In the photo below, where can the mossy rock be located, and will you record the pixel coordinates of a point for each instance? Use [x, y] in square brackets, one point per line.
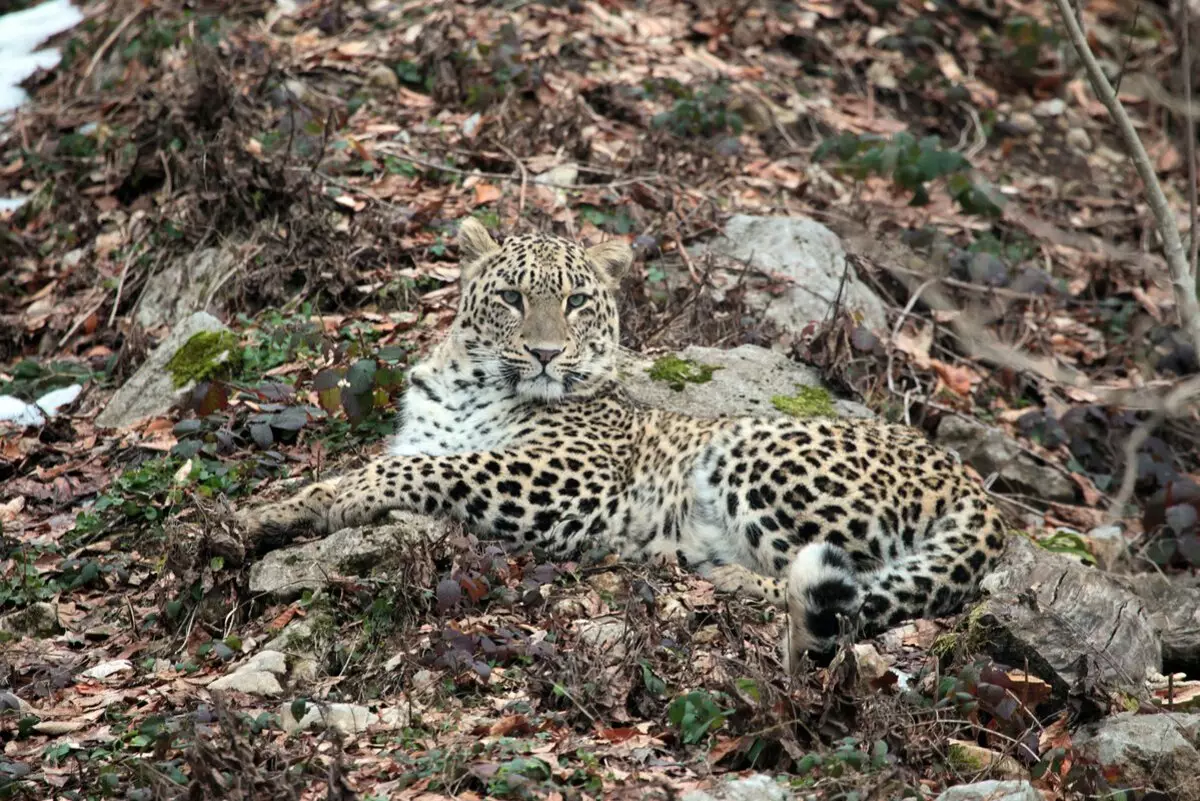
[204, 355]
[677, 372]
[807, 402]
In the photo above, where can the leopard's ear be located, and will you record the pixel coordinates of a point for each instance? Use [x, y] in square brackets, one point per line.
[611, 260]
[474, 243]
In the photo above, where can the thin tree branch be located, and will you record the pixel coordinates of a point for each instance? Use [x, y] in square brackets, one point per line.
[1182, 280]
[1189, 131]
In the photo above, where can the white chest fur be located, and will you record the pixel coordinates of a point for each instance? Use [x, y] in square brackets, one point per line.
[440, 416]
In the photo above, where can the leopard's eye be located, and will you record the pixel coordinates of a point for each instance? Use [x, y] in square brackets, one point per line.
[576, 300]
[512, 297]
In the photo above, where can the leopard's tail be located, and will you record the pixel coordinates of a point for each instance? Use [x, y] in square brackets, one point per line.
[823, 599]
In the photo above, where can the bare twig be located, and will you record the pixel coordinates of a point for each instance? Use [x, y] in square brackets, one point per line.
[524, 178]
[108, 41]
[1173, 403]
[133, 249]
[1182, 280]
[386, 147]
[1189, 132]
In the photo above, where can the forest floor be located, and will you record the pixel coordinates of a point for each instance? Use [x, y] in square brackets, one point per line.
[324, 152]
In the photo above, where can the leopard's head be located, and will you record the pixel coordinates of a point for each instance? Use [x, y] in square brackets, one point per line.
[538, 312]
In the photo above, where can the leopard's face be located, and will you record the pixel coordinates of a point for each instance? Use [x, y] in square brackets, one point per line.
[538, 312]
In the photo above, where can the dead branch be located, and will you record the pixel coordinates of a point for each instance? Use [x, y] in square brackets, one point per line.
[1182, 280]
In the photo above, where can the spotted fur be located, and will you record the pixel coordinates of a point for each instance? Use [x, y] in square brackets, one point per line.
[517, 426]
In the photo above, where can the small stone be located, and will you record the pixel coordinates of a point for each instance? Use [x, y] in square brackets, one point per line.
[105, 669]
[1054, 107]
[383, 77]
[562, 175]
[269, 661]
[1024, 122]
[1078, 139]
[608, 583]
[987, 269]
[1108, 545]
[36, 620]
[872, 665]
[605, 634]
[395, 717]
[345, 718]
[251, 682]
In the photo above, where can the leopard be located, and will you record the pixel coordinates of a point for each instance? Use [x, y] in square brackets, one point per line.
[517, 425]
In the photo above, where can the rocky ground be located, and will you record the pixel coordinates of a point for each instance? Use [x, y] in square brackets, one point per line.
[239, 235]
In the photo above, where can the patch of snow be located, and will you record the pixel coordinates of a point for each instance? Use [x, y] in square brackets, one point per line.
[55, 399]
[21, 32]
[15, 410]
[105, 669]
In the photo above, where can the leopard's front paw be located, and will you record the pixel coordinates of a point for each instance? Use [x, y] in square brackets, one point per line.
[728, 578]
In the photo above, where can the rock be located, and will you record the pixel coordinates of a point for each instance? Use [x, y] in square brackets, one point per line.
[183, 288]
[303, 635]
[989, 450]
[745, 381]
[562, 175]
[1108, 545]
[969, 758]
[604, 634]
[1159, 751]
[150, 392]
[1072, 623]
[755, 787]
[105, 669]
[395, 717]
[1054, 107]
[251, 682]
[1078, 139]
[345, 718]
[1024, 122]
[287, 572]
[992, 791]
[802, 250]
[987, 269]
[383, 76]
[37, 620]
[258, 675]
[1174, 612]
[871, 665]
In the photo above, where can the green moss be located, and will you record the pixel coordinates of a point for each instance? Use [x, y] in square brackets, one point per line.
[965, 760]
[944, 645]
[677, 372]
[807, 402]
[202, 356]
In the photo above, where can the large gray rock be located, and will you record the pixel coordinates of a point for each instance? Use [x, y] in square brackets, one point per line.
[38, 620]
[287, 572]
[992, 791]
[989, 451]
[151, 392]
[799, 249]
[1070, 623]
[184, 287]
[744, 382]
[755, 787]
[1160, 751]
[259, 675]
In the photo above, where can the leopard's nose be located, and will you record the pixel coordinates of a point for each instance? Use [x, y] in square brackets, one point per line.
[544, 355]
